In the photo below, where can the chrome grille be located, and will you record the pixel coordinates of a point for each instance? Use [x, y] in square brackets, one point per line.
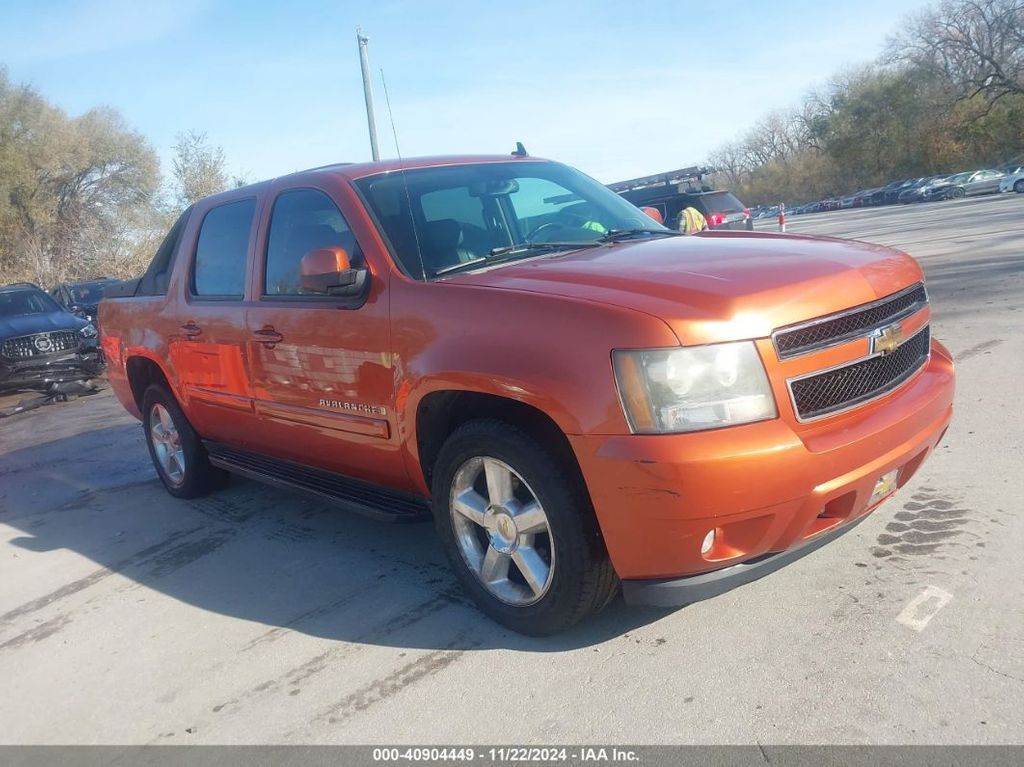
[835, 329]
[820, 394]
[39, 344]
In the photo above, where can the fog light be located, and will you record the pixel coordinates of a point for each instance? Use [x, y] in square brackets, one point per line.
[709, 541]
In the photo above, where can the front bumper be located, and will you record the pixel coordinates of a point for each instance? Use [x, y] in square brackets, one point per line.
[46, 372]
[765, 488]
[674, 592]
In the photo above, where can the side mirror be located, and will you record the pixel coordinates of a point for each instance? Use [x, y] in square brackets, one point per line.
[655, 214]
[329, 271]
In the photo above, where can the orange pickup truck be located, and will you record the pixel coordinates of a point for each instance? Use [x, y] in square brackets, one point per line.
[580, 398]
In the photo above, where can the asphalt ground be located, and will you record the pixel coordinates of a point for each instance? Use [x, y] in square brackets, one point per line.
[260, 616]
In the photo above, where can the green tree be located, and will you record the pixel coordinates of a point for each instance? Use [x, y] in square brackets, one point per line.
[199, 168]
[67, 187]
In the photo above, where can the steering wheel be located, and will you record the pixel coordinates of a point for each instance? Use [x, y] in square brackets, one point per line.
[536, 230]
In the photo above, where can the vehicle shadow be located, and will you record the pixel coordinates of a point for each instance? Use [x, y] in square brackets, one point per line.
[250, 551]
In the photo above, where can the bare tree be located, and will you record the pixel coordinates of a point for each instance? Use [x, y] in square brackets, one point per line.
[976, 45]
[729, 163]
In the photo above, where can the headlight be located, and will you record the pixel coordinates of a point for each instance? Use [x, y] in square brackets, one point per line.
[89, 331]
[695, 388]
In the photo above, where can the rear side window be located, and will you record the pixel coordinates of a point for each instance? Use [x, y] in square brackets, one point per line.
[154, 281]
[219, 267]
[302, 220]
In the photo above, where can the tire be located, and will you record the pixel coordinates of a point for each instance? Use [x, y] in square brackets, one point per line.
[959, 193]
[197, 476]
[579, 580]
[1018, 187]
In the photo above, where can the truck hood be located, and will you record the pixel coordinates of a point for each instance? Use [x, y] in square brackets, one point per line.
[718, 286]
[27, 324]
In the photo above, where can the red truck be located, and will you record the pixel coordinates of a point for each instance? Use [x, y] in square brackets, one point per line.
[582, 400]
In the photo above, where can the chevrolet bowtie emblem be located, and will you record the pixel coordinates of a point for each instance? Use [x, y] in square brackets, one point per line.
[885, 340]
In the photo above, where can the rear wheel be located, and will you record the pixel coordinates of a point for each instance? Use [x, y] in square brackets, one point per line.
[178, 454]
[518, 530]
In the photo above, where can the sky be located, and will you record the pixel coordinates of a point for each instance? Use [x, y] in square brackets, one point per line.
[617, 89]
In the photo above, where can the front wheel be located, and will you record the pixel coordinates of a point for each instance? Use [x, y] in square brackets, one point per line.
[1018, 187]
[518, 529]
[959, 193]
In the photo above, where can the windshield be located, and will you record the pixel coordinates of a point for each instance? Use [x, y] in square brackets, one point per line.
[87, 292]
[19, 302]
[437, 219]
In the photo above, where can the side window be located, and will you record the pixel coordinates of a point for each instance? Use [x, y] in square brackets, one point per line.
[154, 281]
[219, 268]
[302, 220]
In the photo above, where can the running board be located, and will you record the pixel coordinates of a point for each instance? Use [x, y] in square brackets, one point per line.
[364, 498]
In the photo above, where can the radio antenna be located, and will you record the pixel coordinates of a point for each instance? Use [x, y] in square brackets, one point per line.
[405, 180]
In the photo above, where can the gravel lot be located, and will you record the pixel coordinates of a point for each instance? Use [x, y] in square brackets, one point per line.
[256, 615]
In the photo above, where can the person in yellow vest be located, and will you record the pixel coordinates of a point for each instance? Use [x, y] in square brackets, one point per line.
[692, 221]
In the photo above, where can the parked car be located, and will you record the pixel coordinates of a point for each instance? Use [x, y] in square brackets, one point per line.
[43, 346]
[892, 194]
[82, 298]
[978, 182]
[862, 199]
[817, 207]
[944, 188]
[880, 195]
[670, 193]
[510, 348]
[927, 190]
[1013, 181]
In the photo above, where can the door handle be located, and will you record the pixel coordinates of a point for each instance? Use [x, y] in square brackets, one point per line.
[268, 336]
[191, 330]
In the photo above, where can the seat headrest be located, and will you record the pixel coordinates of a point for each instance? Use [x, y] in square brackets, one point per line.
[444, 235]
[302, 239]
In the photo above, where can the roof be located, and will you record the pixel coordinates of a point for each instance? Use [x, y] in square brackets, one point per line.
[354, 171]
[667, 178]
[361, 170]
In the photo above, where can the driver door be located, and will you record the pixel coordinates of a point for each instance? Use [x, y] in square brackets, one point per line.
[319, 365]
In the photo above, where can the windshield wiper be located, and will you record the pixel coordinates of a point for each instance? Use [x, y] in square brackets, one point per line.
[616, 235]
[512, 252]
[531, 247]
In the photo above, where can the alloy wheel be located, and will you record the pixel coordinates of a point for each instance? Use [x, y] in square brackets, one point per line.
[167, 444]
[502, 531]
